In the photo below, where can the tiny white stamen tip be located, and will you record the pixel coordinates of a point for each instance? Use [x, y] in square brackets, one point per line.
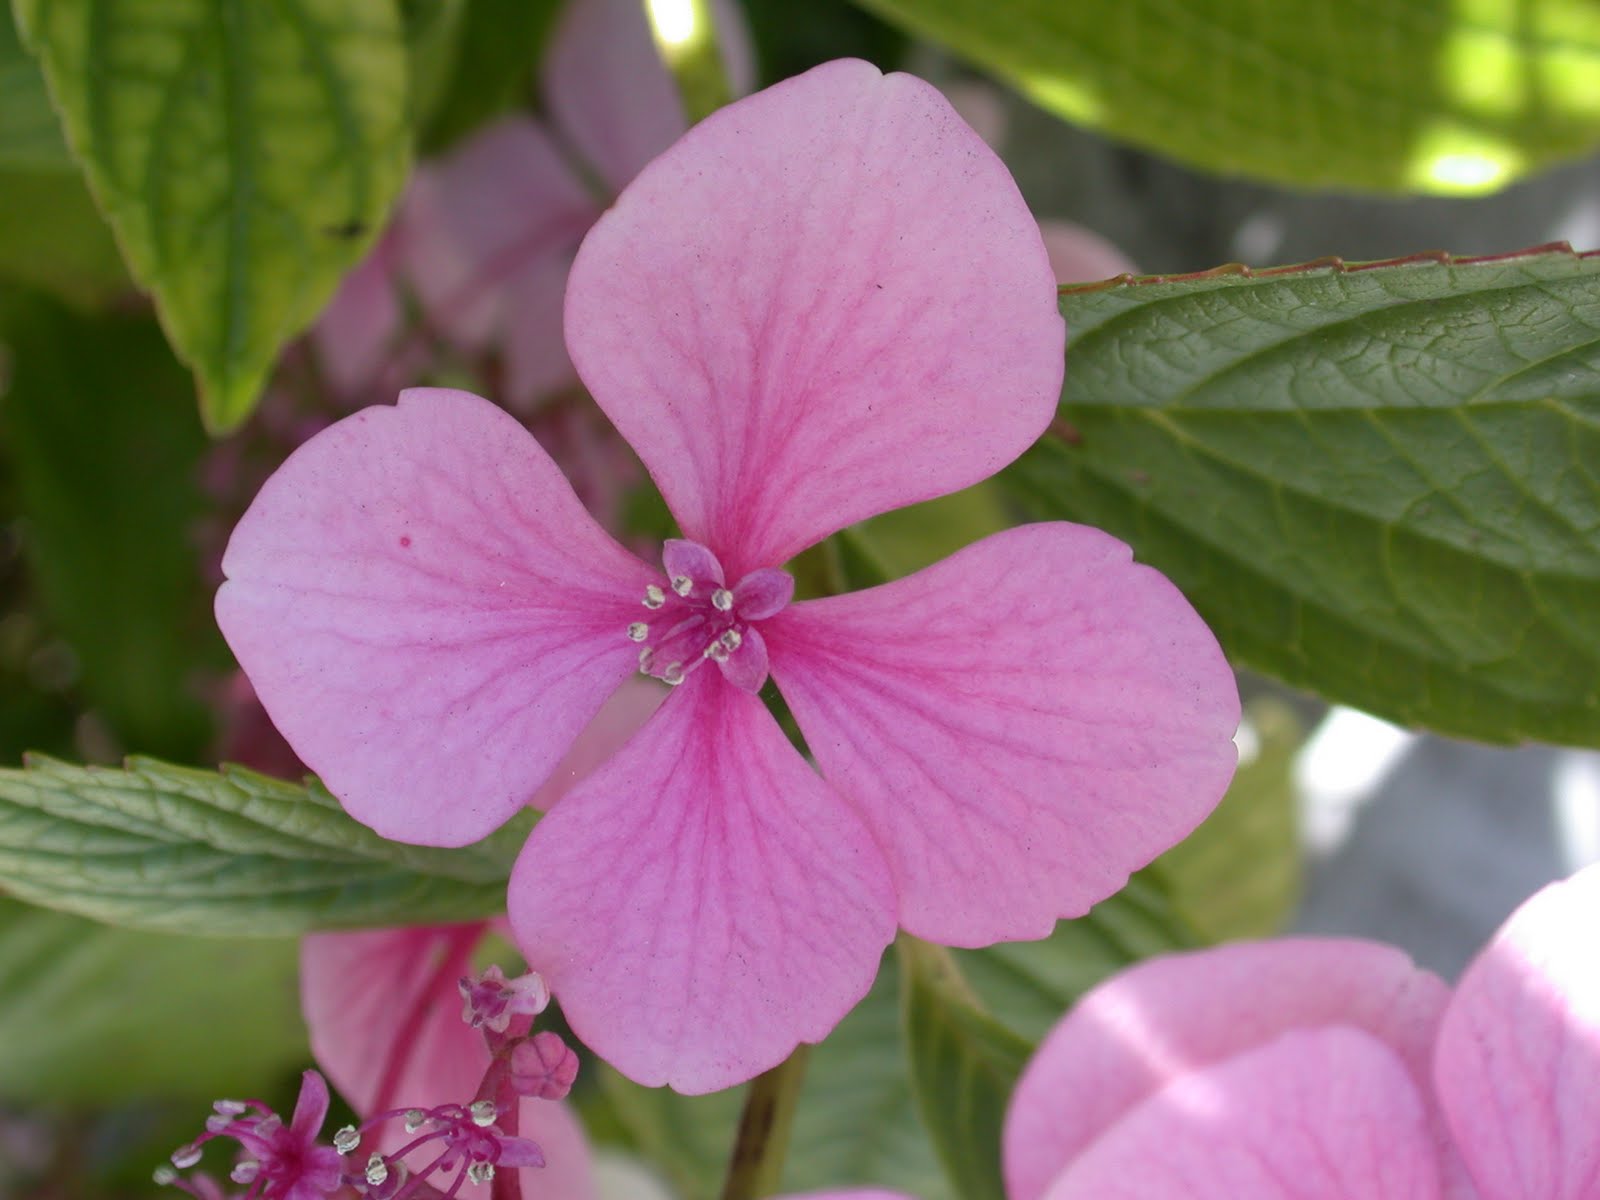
[480, 1172]
[185, 1157]
[229, 1108]
[638, 631]
[673, 674]
[245, 1171]
[377, 1170]
[165, 1175]
[682, 584]
[646, 657]
[347, 1139]
[717, 652]
[731, 639]
[722, 600]
[654, 597]
[414, 1119]
[483, 1113]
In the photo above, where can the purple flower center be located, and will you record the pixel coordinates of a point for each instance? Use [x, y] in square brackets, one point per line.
[695, 617]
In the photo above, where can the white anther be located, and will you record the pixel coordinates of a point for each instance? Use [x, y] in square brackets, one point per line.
[731, 639]
[347, 1139]
[480, 1172]
[185, 1157]
[654, 597]
[638, 631]
[245, 1171]
[377, 1170]
[682, 584]
[483, 1113]
[414, 1119]
[165, 1175]
[229, 1108]
[673, 674]
[717, 652]
[722, 600]
[646, 656]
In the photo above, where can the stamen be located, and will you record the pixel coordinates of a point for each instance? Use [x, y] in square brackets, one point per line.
[673, 674]
[638, 631]
[377, 1170]
[717, 652]
[480, 1172]
[483, 1112]
[646, 657]
[185, 1157]
[346, 1139]
[731, 639]
[165, 1175]
[682, 584]
[414, 1119]
[654, 597]
[722, 600]
[245, 1171]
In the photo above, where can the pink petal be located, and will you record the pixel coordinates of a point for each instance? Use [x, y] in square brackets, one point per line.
[1518, 1060]
[355, 334]
[826, 301]
[568, 1171]
[619, 718]
[1020, 725]
[310, 1107]
[703, 902]
[1169, 1017]
[428, 614]
[490, 233]
[384, 1016]
[852, 1194]
[1324, 1115]
[1078, 255]
[605, 84]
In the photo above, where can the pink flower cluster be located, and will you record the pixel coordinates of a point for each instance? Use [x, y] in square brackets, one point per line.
[1304, 1069]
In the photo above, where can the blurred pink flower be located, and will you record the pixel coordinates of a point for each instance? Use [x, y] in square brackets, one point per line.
[825, 302]
[1301, 1069]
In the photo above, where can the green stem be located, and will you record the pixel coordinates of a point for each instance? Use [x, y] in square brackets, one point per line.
[763, 1140]
[686, 35]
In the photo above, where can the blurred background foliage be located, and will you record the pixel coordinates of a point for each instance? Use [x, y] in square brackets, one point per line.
[182, 191]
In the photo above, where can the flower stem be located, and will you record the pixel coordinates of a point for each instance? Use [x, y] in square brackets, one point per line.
[686, 35]
[763, 1139]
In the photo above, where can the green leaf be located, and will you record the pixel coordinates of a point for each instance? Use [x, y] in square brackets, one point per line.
[246, 155]
[963, 1066]
[30, 138]
[1027, 986]
[498, 44]
[1409, 95]
[95, 1015]
[53, 237]
[1378, 482]
[1238, 875]
[230, 853]
[104, 455]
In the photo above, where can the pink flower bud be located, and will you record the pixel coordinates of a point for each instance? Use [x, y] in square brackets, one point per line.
[543, 1067]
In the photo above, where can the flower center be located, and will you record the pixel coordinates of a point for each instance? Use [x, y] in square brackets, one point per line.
[695, 618]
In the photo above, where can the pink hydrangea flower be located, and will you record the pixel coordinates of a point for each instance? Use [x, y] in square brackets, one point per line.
[1304, 1069]
[826, 301]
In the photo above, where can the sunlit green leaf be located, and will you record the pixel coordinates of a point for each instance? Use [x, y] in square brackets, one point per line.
[1377, 483]
[1407, 95]
[245, 153]
[171, 848]
[96, 1015]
